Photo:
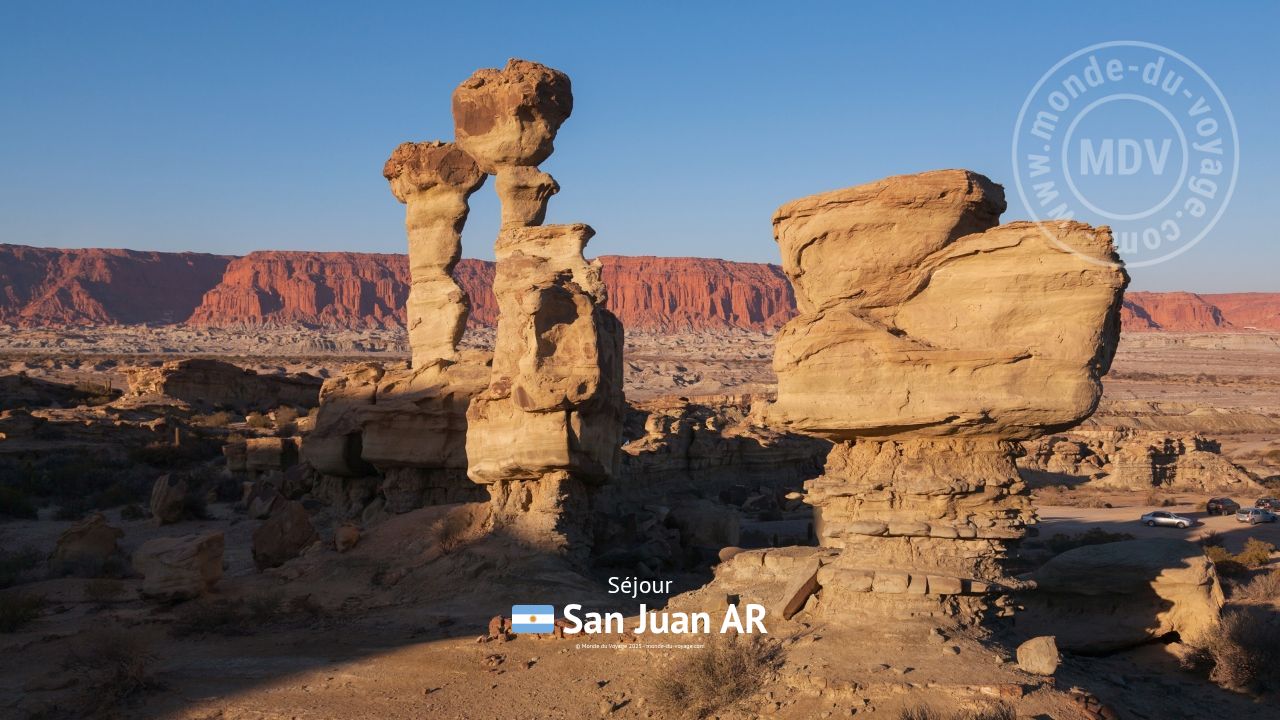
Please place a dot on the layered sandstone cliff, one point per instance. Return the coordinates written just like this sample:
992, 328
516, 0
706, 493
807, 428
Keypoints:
93, 286
50, 286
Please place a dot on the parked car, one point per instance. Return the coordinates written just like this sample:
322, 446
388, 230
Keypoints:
1268, 503
1255, 515
1222, 506
1167, 519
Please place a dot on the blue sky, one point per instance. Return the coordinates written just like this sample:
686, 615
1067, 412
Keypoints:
233, 126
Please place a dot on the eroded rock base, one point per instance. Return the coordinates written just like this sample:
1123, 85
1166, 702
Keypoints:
921, 525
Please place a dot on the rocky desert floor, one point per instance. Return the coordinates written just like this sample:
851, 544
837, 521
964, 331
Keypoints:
396, 627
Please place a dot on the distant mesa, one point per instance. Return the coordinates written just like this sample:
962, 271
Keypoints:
57, 287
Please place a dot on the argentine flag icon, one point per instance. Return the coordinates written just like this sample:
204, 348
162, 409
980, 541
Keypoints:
533, 618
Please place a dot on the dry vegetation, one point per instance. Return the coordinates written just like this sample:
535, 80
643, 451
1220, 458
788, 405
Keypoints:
1256, 553
1245, 649
724, 672
994, 711
115, 665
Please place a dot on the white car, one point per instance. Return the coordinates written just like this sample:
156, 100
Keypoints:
1255, 515
1167, 519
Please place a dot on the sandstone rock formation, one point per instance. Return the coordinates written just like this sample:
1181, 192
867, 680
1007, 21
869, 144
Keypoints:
433, 180
1099, 598
283, 536
1039, 655
1134, 460
403, 428
51, 286
179, 568
86, 548
1178, 311
507, 118
169, 499
48, 287
551, 418
213, 383
365, 290
927, 340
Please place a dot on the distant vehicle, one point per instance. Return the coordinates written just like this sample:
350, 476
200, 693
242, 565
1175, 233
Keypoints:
1268, 503
1255, 515
1222, 506
1167, 519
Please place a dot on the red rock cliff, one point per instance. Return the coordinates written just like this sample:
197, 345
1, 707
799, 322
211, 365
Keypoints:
367, 290
47, 286
92, 286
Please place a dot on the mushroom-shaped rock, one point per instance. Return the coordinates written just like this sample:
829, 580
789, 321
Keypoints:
434, 180
510, 116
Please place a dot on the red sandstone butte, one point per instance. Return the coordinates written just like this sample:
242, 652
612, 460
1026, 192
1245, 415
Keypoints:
1173, 311
92, 286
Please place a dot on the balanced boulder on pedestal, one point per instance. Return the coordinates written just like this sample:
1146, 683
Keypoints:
928, 339
550, 421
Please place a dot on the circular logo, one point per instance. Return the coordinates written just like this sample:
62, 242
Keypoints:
1131, 135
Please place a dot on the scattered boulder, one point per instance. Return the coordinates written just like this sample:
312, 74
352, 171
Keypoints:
169, 498
283, 536
85, 548
1100, 598
346, 537
1039, 656
262, 500
179, 568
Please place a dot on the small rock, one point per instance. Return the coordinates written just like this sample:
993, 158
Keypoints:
346, 537
1039, 656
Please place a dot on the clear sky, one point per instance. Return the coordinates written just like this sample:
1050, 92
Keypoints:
235, 126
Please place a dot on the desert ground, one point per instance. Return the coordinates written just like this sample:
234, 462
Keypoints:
397, 627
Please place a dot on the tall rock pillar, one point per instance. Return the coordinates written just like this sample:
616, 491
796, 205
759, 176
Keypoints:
434, 180
549, 424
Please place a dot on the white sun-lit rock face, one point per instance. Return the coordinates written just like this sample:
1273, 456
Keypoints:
929, 338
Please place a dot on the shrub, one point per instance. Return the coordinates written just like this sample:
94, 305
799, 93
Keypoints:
285, 415
995, 711
116, 665
1245, 650
218, 419
18, 610
15, 504
1225, 563
1212, 538
1263, 588
257, 420
1256, 553
720, 674
13, 565
1158, 499
1061, 543
132, 512
214, 617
